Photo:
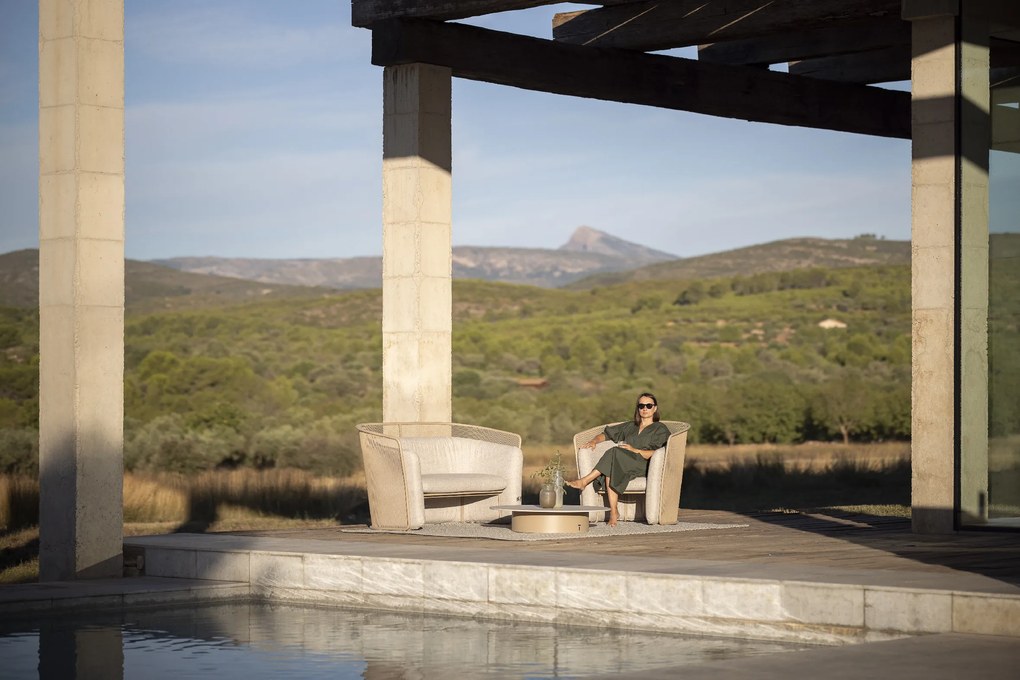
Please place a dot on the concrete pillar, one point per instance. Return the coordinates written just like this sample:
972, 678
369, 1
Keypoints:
81, 287
950, 133
975, 138
417, 257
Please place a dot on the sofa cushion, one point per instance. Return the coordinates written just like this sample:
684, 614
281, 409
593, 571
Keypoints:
463, 483
637, 485
459, 455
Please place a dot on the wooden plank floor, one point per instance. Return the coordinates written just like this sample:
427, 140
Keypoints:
847, 541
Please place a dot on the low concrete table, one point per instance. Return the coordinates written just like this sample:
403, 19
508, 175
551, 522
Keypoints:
534, 519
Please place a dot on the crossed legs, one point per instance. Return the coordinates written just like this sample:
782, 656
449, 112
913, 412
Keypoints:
579, 484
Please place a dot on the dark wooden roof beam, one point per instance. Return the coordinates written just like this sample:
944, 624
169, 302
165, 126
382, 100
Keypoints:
1002, 14
847, 37
879, 66
665, 24
647, 79
364, 13
1005, 53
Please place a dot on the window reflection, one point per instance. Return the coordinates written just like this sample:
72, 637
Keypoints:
1004, 286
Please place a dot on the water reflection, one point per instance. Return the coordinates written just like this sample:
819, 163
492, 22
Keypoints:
282, 641
80, 653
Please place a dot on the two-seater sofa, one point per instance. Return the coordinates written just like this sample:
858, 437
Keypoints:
424, 473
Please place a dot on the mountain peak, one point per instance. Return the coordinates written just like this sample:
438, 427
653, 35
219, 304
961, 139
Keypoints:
589, 240
586, 240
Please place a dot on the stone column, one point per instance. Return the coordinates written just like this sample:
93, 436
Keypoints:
417, 260
975, 136
949, 221
81, 287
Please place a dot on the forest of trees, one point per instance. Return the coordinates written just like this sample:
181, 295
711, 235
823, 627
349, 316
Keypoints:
282, 384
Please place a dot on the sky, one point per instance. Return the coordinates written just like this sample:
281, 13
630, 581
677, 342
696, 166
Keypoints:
253, 128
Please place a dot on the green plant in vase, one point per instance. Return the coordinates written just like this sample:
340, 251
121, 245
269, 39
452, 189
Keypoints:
551, 493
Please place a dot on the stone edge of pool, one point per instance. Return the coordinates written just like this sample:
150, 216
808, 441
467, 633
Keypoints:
204, 568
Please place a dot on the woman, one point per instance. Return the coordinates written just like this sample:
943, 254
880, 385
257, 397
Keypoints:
637, 441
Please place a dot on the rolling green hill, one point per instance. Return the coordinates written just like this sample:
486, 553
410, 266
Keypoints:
777, 256
281, 382
230, 377
149, 287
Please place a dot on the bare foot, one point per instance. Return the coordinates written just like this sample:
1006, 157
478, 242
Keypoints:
613, 518
576, 484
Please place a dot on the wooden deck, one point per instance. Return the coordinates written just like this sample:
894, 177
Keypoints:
844, 541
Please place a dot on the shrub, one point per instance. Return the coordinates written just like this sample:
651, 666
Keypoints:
19, 451
165, 443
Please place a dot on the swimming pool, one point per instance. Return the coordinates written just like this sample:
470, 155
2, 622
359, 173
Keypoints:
252, 641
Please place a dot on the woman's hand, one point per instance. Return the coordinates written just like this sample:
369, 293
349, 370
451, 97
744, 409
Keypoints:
644, 454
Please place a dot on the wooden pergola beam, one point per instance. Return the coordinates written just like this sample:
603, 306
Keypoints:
1005, 53
664, 24
1002, 13
841, 37
880, 66
364, 13
636, 78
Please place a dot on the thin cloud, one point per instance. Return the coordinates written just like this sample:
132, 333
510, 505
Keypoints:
232, 35
264, 198
199, 127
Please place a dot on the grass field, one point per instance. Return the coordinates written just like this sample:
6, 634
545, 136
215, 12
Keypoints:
872, 478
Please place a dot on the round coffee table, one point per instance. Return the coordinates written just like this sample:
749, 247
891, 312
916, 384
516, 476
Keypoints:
534, 519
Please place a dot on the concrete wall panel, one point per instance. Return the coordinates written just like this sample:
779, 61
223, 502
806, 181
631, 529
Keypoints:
417, 261
81, 287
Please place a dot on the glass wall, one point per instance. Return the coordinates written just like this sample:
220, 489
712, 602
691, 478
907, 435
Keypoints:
1004, 286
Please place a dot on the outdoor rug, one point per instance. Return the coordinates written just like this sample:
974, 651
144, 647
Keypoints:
502, 532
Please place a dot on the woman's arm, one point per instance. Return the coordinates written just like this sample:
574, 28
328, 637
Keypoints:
599, 438
644, 453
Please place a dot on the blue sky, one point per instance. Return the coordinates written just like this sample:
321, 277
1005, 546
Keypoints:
254, 129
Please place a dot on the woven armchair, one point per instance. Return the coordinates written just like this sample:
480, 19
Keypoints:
654, 498
420, 473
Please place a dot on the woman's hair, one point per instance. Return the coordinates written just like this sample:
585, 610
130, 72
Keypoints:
637, 411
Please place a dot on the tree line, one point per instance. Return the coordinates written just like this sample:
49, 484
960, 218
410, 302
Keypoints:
282, 383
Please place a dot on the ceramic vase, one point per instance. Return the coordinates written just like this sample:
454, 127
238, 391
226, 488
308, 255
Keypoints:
547, 496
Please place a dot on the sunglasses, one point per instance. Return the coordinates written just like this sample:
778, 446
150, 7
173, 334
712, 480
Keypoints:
646, 405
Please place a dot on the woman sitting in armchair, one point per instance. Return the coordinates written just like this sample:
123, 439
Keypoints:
636, 441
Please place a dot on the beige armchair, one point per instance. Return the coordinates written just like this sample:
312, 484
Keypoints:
654, 498
420, 473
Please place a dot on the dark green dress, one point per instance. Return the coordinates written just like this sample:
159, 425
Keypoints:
621, 465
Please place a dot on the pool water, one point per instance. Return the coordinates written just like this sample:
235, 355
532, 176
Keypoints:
252, 641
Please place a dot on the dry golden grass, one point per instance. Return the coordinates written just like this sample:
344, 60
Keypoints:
20, 555
208, 497
810, 456
19, 501
240, 494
